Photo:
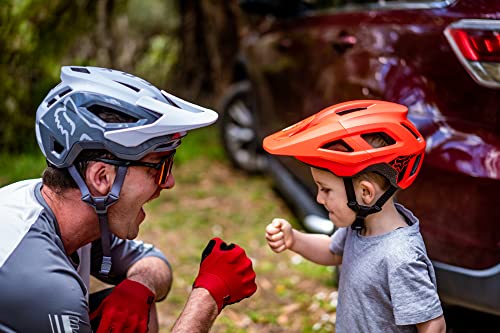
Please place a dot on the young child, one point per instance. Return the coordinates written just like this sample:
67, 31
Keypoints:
360, 153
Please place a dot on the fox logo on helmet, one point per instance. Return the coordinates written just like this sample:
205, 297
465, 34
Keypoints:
63, 121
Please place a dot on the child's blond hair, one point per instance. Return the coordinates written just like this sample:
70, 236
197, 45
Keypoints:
376, 140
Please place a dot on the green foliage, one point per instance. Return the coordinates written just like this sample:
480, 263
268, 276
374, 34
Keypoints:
157, 17
33, 37
20, 166
159, 59
38, 37
156, 25
201, 142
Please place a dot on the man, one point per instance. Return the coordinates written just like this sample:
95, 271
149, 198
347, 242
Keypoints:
109, 139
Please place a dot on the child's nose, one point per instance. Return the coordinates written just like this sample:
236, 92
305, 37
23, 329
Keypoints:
319, 198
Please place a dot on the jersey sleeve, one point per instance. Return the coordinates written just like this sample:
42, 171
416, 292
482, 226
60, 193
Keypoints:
338, 241
124, 253
41, 291
414, 293
67, 310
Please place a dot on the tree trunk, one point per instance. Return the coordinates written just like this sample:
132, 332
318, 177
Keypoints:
209, 44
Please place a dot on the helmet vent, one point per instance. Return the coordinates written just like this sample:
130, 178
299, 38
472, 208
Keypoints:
52, 101
378, 139
80, 70
168, 146
171, 102
338, 145
415, 165
343, 112
64, 92
57, 147
411, 131
129, 86
109, 115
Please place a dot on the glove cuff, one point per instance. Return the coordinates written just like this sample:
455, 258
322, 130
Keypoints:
136, 290
215, 286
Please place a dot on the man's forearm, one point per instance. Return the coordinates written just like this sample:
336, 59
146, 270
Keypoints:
199, 313
154, 273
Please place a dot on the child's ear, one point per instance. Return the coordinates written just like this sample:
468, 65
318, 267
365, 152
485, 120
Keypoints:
99, 177
366, 192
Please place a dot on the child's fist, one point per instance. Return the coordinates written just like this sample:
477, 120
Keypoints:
279, 235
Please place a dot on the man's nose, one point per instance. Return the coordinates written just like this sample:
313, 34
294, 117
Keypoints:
169, 183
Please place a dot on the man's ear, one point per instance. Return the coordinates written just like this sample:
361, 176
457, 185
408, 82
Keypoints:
99, 177
366, 192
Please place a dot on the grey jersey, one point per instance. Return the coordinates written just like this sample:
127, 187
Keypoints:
41, 288
387, 282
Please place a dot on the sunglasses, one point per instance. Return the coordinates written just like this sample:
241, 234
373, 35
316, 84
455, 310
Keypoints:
163, 167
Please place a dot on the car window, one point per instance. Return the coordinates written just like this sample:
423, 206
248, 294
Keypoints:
354, 4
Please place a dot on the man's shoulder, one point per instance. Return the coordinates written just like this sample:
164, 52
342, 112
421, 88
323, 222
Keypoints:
38, 275
46, 284
18, 200
35, 272
38, 254
30, 247
19, 209
17, 186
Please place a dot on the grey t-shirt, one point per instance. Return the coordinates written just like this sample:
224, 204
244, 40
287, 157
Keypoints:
41, 288
387, 282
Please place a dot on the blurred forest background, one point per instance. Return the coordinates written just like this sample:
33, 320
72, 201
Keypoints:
187, 47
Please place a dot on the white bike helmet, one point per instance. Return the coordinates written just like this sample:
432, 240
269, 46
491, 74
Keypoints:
68, 122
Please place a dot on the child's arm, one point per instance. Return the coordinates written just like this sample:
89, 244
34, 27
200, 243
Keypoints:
436, 325
314, 247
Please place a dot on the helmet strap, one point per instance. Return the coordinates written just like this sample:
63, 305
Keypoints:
101, 205
363, 211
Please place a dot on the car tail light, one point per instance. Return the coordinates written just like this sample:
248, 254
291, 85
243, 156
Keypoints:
477, 45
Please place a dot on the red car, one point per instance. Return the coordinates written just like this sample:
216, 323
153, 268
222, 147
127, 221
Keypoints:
439, 58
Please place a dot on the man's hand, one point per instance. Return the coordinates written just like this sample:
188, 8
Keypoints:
226, 272
126, 309
279, 235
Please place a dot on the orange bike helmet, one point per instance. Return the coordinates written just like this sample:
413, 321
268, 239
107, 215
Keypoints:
336, 139
347, 124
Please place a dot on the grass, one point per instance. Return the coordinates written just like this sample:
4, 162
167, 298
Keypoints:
18, 167
212, 199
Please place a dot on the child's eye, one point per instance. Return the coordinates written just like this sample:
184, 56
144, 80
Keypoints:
324, 190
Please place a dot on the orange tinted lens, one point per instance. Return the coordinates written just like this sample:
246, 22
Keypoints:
164, 172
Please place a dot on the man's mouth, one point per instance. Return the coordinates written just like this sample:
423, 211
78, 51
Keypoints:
141, 215
154, 196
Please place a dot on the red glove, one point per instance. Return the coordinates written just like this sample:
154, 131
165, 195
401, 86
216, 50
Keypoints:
226, 272
126, 309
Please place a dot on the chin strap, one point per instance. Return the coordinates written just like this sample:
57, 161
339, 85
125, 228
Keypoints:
101, 205
363, 211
